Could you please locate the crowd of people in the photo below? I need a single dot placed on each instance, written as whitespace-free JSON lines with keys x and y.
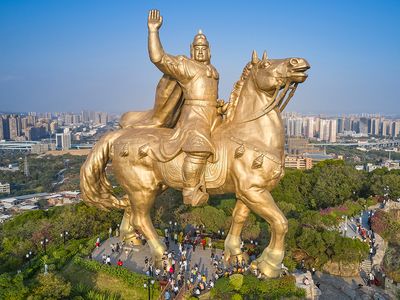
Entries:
{"x":179,"y":272}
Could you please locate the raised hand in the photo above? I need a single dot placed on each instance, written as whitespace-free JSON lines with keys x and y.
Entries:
{"x":154,"y":20}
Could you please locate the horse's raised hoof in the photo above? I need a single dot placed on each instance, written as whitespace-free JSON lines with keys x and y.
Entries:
{"x":266,"y":269}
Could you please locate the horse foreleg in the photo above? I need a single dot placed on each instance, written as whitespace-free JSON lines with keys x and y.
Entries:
{"x":261,"y":202}
{"x":232,"y":251}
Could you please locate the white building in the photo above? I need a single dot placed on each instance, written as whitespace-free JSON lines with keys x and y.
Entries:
{"x":63,"y":140}
{"x":4,"y":188}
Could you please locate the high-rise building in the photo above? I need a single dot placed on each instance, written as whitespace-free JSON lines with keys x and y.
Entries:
{"x":1,"y":129}
{"x":340,"y":125}
{"x":347,"y":124}
{"x":6,"y":128}
{"x":76,"y":119}
{"x":375,"y":126}
{"x":103,"y":118}
{"x":395,"y":128}
{"x":63,"y":140}
{"x":68,"y":119}
{"x":363,"y":126}
{"x":310,"y":128}
{"x":85,"y":116}
{"x":323,"y":129}
{"x":24,"y":123}
{"x":13,"y":123}
{"x":386,"y":130}
{"x":332,"y":130}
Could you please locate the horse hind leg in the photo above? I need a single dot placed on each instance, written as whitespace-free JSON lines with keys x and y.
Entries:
{"x":232,"y":250}
{"x":142,"y":202}
{"x":126,"y":229}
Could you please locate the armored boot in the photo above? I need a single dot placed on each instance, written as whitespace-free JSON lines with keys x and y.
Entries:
{"x":194,"y":191}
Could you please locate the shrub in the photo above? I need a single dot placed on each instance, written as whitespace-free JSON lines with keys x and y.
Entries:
{"x":391,"y":262}
{"x":12,"y":287}
{"x":236,"y":281}
{"x":51,"y":286}
{"x":253,"y":288}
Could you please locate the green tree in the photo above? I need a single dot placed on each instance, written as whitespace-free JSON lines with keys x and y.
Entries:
{"x":12,"y":288}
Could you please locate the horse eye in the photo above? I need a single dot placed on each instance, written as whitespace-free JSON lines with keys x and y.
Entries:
{"x":294,"y":61}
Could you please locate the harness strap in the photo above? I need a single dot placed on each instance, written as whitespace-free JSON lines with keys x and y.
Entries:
{"x":267,"y":155}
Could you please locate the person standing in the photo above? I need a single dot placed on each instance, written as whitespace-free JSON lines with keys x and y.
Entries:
{"x":98,"y":242}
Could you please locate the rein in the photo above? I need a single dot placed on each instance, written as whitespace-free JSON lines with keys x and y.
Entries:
{"x":277,"y":99}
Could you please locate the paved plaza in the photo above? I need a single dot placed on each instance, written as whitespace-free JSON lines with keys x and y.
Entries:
{"x":135,"y":260}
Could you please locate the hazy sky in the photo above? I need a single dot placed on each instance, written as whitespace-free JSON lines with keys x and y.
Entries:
{"x":64,"y":55}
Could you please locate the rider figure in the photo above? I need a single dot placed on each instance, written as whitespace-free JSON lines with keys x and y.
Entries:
{"x":198,"y":80}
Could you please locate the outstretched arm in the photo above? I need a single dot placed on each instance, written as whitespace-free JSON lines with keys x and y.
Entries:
{"x":154,"y":22}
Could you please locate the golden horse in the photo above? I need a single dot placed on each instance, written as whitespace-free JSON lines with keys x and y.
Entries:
{"x":249,"y":151}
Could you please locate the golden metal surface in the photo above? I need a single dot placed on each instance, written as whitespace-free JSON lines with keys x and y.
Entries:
{"x":195,"y":142}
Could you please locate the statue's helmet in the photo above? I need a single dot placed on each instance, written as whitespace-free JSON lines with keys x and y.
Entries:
{"x":200,"y":40}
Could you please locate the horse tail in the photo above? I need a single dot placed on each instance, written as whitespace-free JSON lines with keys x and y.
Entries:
{"x":95,"y":187}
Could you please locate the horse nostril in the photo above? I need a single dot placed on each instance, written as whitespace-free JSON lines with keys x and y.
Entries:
{"x":294,"y":61}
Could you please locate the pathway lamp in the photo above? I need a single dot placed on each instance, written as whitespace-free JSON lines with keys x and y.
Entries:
{"x":28,"y":257}
{"x":44,"y":243}
{"x":150,"y":283}
{"x":64,"y":235}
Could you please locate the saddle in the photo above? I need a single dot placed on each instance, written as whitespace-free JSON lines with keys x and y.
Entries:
{"x":214,"y":175}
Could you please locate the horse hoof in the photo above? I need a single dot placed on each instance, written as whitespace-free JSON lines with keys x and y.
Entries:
{"x":266,"y":269}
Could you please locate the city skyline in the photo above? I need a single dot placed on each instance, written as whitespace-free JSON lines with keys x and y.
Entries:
{"x":76,"y":56}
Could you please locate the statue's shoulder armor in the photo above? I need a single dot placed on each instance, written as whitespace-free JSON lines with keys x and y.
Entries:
{"x":214,"y":72}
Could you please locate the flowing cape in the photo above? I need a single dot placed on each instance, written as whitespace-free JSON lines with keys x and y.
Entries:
{"x":166,"y":111}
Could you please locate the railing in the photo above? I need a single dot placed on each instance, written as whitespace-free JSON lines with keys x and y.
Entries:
{"x":181,"y":292}
{"x":163,"y":291}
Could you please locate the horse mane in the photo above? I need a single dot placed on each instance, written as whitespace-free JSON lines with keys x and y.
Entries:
{"x":237,"y":89}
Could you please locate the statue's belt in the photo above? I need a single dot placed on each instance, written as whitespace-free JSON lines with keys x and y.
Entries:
{"x":200,"y":102}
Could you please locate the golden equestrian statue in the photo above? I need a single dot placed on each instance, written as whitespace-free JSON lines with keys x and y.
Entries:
{"x":194,"y":142}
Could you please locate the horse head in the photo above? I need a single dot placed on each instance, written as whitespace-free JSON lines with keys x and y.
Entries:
{"x":272,"y":74}
{"x":265,"y":83}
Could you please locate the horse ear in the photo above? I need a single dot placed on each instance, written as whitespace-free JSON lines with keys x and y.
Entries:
{"x":254,"y":57}
{"x":265,"y":56}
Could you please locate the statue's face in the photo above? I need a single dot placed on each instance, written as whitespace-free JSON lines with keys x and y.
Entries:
{"x":201,"y":53}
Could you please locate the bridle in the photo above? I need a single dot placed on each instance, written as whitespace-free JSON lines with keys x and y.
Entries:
{"x":278,"y":99}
